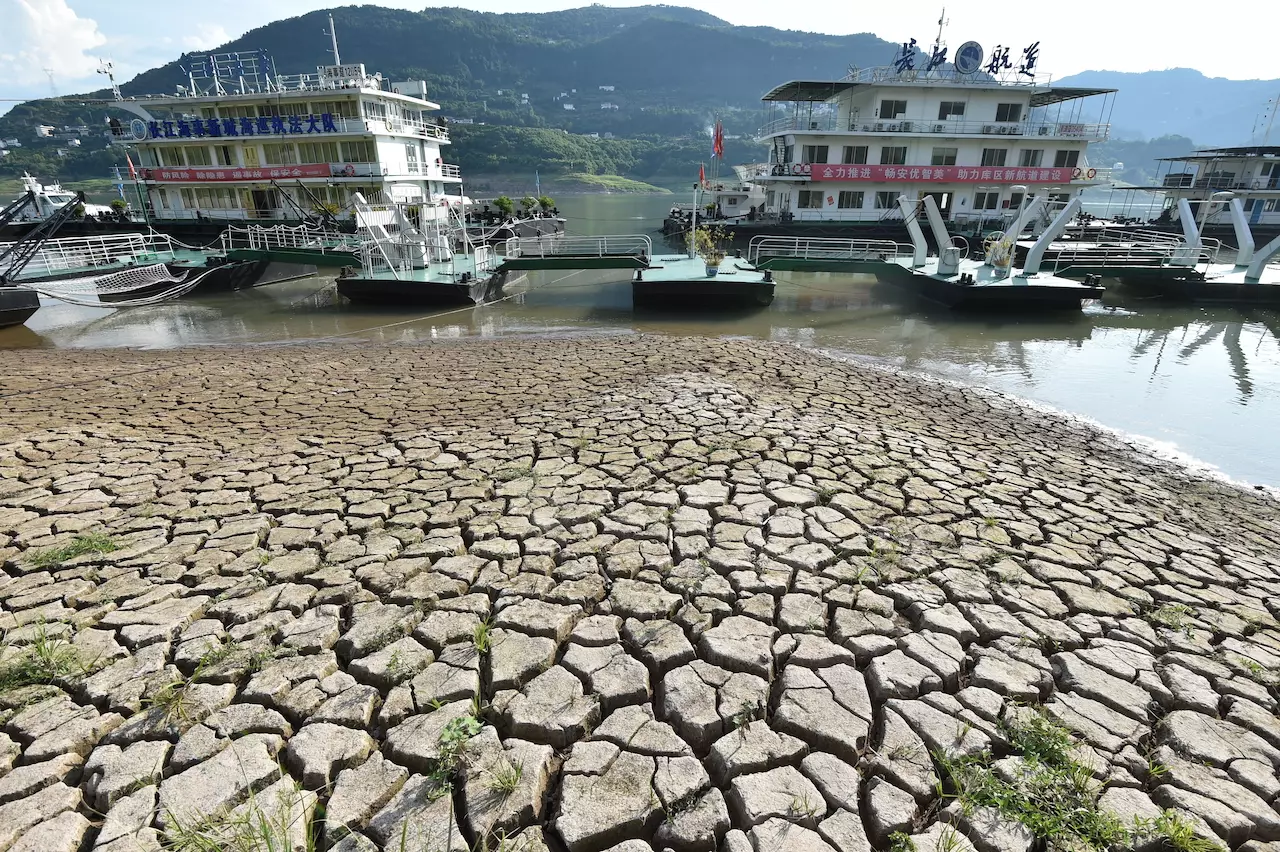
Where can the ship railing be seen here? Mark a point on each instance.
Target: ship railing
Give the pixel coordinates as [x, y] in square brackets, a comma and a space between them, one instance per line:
[75, 253]
[824, 248]
[892, 74]
[261, 238]
[1133, 253]
[558, 245]
[832, 123]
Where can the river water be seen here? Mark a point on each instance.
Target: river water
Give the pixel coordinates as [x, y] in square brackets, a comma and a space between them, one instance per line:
[1198, 384]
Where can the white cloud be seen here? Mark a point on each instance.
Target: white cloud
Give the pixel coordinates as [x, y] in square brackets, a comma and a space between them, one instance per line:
[206, 37]
[46, 34]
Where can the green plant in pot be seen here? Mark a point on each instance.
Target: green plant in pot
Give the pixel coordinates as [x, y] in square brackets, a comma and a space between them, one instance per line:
[711, 244]
[505, 205]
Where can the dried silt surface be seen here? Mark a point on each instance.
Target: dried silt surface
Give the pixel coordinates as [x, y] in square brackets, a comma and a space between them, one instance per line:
[622, 593]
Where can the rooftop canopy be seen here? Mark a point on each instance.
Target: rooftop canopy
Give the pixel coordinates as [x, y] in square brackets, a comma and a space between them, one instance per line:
[1221, 153]
[822, 90]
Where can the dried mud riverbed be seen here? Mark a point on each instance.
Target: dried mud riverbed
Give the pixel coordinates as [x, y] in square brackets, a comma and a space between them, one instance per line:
[622, 593]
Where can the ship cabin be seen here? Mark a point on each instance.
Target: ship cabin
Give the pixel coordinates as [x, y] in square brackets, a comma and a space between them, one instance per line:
[844, 150]
[258, 146]
[1208, 178]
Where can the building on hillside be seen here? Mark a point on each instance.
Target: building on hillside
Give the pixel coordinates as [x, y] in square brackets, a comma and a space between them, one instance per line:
[607, 88]
[569, 106]
[44, 131]
[240, 142]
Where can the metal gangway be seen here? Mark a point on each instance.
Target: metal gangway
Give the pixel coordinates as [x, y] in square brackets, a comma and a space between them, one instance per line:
[557, 251]
[293, 243]
[823, 254]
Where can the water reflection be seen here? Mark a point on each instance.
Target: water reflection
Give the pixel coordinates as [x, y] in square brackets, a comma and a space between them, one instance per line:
[1201, 380]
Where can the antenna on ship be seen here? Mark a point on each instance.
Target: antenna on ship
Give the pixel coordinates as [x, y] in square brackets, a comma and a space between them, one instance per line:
[332, 33]
[942, 22]
[105, 66]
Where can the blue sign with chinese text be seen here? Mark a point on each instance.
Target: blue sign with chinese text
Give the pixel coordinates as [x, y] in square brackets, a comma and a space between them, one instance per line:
[263, 125]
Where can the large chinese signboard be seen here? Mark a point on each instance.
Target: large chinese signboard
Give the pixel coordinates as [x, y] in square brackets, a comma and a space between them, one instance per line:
[944, 174]
[263, 125]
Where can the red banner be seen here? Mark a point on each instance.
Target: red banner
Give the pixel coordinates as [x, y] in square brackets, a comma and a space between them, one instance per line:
[225, 173]
[943, 174]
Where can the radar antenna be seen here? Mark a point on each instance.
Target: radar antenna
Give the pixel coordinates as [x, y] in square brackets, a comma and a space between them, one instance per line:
[943, 20]
[332, 33]
[106, 66]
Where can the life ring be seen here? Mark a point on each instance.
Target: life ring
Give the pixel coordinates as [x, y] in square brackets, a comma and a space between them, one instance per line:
[806, 169]
[439, 161]
[1091, 174]
[349, 170]
[387, 124]
[1075, 175]
[796, 169]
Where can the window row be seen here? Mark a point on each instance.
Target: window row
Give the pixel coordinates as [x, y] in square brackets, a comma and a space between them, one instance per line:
[273, 154]
[338, 109]
[890, 109]
[813, 199]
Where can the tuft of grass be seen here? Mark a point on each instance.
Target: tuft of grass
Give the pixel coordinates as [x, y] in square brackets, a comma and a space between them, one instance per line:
[505, 778]
[508, 474]
[482, 637]
[1178, 834]
[900, 841]
[254, 829]
[52, 557]
[990, 522]
[44, 661]
[1054, 795]
[1174, 617]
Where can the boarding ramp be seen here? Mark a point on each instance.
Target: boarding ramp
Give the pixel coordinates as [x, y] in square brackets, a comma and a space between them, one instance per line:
[1120, 252]
[557, 251]
[823, 254]
[97, 253]
[290, 244]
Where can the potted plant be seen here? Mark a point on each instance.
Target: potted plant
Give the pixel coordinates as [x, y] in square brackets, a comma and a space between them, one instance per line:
[1000, 249]
[528, 203]
[546, 203]
[505, 206]
[711, 244]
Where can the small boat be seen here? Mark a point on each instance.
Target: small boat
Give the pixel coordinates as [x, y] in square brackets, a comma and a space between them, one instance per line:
[43, 200]
[17, 304]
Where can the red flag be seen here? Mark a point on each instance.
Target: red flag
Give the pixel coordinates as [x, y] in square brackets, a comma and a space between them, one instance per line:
[133, 174]
[702, 174]
[717, 141]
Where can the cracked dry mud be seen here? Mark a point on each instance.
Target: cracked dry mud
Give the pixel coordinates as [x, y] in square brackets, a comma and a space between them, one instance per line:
[623, 593]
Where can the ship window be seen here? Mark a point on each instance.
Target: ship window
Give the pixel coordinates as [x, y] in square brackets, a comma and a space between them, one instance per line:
[1031, 158]
[411, 156]
[1008, 112]
[269, 109]
[855, 155]
[850, 199]
[814, 154]
[171, 157]
[343, 109]
[1066, 159]
[950, 109]
[148, 158]
[771, 199]
[986, 201]
[893, 155]
[283, 154]
[893, 109]
[1015, 200]
[224, 155]
[810, 199]
[886, 200]
[360, 151]
[375, 109]
[994, 156]
[318, 152]
[198, 155]
[943, 157]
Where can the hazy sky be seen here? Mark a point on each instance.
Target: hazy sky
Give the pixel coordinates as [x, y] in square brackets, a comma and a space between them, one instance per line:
[68, 36]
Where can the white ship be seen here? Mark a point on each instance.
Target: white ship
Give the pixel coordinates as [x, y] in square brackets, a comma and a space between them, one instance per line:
[978, 130]
[43, 200]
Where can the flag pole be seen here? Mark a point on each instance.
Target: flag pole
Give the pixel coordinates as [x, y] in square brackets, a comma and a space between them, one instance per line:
[693, 224]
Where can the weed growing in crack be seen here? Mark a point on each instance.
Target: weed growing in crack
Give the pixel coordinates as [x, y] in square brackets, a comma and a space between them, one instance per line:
[1178, 834]
[53, 557]
[482, 637]
[1174, 617]
[44, 661]
[251, 828]
[453, 746]
[900, 841]
[508, 474]
[505, 778]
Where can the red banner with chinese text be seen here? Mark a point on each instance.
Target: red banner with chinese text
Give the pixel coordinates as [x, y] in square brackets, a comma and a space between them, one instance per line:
[226, 173]
[943, 174]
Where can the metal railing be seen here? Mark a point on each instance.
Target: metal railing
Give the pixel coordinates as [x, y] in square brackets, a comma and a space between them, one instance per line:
[287, 237]
[555, 245]
[1062, 257]
[450, 170]
[946, 127]
[74, 253]
[891, 74]
[824, 248]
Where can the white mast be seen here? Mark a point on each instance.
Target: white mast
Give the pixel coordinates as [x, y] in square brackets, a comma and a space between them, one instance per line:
[333, 34]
